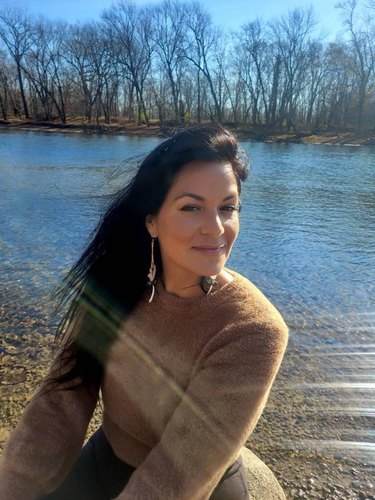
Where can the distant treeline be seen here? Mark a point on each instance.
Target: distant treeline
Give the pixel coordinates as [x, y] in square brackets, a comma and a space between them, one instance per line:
[169, 63]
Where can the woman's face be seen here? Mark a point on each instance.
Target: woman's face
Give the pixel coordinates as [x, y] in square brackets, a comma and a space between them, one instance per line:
[197, 224]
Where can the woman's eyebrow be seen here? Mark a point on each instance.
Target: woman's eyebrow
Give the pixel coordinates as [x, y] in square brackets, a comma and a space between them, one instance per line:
[200, 198]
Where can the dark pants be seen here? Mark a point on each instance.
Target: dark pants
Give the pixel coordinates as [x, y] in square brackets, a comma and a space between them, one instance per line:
[99, 475]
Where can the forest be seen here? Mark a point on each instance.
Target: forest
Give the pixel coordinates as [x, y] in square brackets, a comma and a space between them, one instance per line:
[167, 63]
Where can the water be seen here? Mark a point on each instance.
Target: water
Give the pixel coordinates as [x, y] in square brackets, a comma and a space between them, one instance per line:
[307, 240]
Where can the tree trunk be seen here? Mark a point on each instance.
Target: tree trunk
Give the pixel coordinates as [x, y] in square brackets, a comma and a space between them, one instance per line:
[275, 86]
[23, 97]
[361, 103]
[3, 108]
[199, 118]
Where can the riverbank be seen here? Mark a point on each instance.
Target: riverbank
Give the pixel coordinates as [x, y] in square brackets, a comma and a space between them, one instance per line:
[328, 137]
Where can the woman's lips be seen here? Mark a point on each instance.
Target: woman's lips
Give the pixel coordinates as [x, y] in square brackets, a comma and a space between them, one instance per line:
[210, 250]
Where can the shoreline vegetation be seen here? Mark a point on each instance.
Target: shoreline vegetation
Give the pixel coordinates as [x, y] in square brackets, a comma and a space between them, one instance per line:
[334, 136]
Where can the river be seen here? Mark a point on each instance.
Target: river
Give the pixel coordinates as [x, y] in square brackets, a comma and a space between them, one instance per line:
[307, 241]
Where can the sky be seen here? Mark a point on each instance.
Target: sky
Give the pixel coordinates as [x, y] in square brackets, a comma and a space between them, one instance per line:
[230, 14]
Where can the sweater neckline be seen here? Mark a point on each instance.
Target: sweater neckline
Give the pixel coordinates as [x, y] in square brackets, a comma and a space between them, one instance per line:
[171, 302]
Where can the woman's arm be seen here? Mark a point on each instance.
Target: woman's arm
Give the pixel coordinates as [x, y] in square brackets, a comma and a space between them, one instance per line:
[47, 440]
[218, 412]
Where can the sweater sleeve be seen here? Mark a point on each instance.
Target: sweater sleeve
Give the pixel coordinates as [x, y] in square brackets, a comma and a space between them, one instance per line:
[215, 417]
[42, 449]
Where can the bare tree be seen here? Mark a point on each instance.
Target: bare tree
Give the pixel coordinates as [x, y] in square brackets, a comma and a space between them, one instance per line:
[4, 84]
[131, 29]
[37, 65]
[361, 40]
[58, 35]
[338, 84]
[316, 72]
[168, 61]
[42, 65]
[168, 20]
[16, 31]
[254, 62]
[247, 78]
[200, 47]
[81, 70]
[292, 36]
[100, 59]
[221, 72]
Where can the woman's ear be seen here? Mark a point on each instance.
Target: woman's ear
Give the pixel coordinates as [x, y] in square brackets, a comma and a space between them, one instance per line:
[151, 226]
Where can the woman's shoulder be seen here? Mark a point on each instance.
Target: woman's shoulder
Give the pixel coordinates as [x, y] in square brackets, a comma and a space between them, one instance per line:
[250, 325]
[250, 304]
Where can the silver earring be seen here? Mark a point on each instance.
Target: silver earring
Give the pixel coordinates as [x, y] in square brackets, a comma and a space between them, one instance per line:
[152, 272]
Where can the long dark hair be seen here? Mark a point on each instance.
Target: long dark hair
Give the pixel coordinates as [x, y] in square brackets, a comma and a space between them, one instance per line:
[107, 281]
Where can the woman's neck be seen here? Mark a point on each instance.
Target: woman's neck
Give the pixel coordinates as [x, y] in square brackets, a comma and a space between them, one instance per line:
[192, 287]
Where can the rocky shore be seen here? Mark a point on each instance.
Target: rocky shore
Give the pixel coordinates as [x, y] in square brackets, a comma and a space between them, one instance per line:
[302, 472]
[24, 361]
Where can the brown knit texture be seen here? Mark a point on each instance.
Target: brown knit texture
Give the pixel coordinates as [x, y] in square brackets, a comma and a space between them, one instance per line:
[184, 386]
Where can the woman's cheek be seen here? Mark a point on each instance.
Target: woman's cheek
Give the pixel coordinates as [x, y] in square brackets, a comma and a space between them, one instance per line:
[233, 224]
[185, 224]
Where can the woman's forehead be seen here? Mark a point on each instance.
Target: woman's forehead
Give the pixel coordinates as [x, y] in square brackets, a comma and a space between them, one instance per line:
[204, 175]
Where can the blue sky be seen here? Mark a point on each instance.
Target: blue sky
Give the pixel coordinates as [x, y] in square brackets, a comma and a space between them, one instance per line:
[225, 13]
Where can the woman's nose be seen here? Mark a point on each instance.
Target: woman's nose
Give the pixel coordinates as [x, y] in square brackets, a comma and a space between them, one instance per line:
[212, 224]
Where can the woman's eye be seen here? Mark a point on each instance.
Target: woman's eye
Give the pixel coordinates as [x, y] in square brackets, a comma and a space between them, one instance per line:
[197, 208]
[229, 208]
[190, 208]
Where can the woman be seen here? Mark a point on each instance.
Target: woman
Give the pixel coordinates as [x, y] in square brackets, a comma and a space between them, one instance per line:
[183, 349]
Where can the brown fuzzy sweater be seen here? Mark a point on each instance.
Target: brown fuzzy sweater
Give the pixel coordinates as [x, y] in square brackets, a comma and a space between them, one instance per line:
[184, 386]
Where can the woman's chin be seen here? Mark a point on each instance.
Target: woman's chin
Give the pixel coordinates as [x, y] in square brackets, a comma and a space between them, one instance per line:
[212, 270]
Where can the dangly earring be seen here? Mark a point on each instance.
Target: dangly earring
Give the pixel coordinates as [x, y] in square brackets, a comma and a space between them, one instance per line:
[152, 272]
